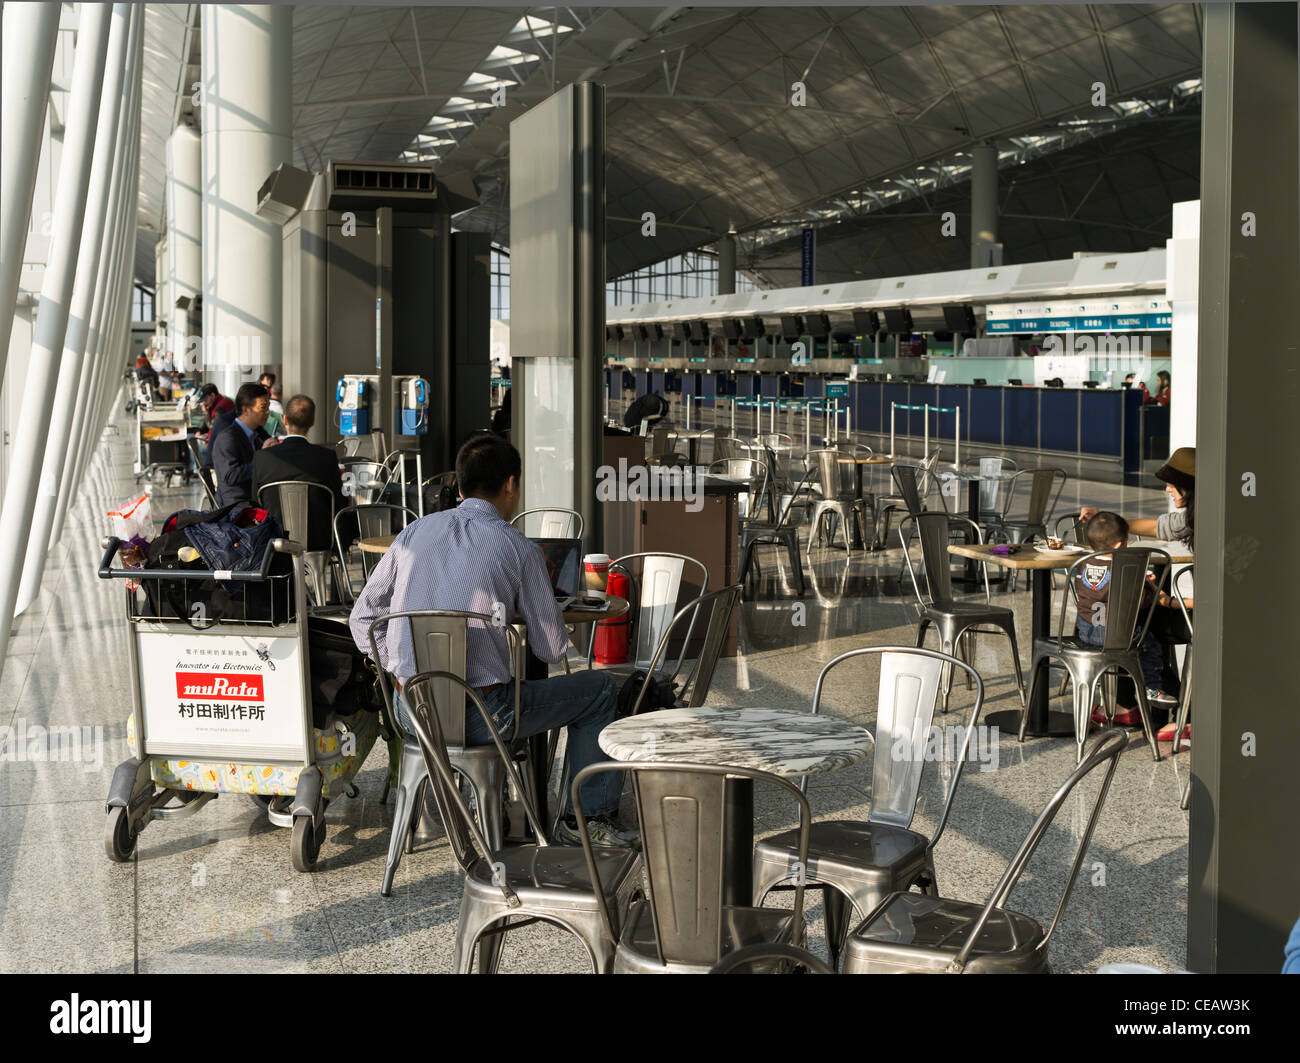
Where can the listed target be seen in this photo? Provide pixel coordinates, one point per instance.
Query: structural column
(984, 248)
(557, 276)
(247, 108)
(1243, 870)
(727, 265)
(184, 243)
(30, 33)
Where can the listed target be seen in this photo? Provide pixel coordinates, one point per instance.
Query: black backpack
(342, 678)
(661, 695)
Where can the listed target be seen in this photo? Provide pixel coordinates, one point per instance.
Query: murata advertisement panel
(222, 696)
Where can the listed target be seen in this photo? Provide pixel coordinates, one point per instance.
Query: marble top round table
(781, 741)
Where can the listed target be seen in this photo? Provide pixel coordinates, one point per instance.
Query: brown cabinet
(710, 535)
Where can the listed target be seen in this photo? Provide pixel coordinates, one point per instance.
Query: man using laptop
(470, 558)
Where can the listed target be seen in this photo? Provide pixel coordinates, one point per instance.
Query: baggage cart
(222, 702)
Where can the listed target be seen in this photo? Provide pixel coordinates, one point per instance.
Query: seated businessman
(470, 559)
(233, 452)
(295, 458)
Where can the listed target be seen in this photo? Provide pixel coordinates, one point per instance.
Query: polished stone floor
(217, 892)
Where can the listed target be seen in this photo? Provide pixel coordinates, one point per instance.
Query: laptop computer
(564, 566)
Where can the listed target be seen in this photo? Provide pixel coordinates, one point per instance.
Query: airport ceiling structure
(702, 130)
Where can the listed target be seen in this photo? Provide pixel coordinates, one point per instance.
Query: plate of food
(1055, 546)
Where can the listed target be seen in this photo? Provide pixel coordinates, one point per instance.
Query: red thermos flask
(612, 636)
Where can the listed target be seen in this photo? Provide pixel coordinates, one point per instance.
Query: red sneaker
(1127, 718)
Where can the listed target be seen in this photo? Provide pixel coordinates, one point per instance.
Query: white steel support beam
(120, 217)
(106, 161)
(30, 34)
(52, 314)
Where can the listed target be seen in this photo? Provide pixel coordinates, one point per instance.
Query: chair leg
(921, 628)
(792, 546)
(837, 909)
(1136, 673)
(410, 779)
(1082, 719)
(1015, 660)
(745, 557)
(490, 944)
(1184, 703)
(968, 654)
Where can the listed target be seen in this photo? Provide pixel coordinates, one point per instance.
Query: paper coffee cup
(597, 572)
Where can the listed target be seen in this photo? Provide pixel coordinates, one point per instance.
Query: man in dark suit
(232, 453)
(297, 459)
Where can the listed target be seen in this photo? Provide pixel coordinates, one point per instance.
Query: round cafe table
(781, 741)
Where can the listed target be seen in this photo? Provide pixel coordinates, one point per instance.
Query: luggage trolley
(223, 704)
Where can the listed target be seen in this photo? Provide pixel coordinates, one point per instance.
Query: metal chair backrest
(1077, 528)
(439, 638)
(464, 835)
(660, 441)
(724, 446)
(721, 604)
(910, 680)
(909, 490)
(1181, 594)
(1107, 748)
(934, 529)
(1042, 499)
(828, 473)
(749, 469)
(988, 465)
(196, 452)
(295, 499)
(552, 523)
(784, 520)
(660, 582)
(363, 479)
(926, 479)
(1123, 605)
(682, 809)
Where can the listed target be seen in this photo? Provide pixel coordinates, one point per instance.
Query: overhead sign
(808, 261)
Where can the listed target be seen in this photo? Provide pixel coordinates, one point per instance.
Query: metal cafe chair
(370, 521)
(721, 604)
(582, 890)
(368, 480)
(439, 638)
(911, 484)
(835, 500)
(552, 523)
(1042, 504)
(954, 620)
(1087, 664)
(858, 864)
(656, 579)
(988, 464)
(754, 472)
(205, 475)
(913, 933)
(784, 532)
(682, 926)
(294, 499)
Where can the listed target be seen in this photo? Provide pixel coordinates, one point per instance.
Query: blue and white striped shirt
(466, 559)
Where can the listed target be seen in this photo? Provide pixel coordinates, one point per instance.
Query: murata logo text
(211, 685)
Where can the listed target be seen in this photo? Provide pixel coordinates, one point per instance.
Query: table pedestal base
(1059, 724)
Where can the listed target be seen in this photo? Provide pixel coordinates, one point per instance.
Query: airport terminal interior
(816, 330)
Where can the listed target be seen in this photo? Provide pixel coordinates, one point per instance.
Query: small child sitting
(1109, 531)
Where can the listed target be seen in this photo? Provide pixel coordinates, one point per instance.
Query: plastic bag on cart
(131, 519)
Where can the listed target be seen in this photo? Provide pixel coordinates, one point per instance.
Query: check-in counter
(1079, 423)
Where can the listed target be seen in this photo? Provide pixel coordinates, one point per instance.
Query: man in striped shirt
(471, 559)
